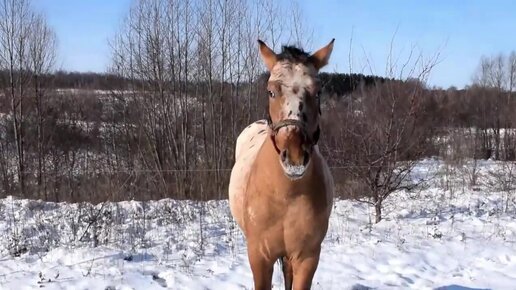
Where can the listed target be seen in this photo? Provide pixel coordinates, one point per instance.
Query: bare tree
(385, 131)
(512, 72)
(494, 81)
(15, 24)
(42, 54)
(27, 55)
(300, 34)
(503, 179)
(193, 68)
(383, 139)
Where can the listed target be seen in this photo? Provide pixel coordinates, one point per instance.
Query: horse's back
(247, 146)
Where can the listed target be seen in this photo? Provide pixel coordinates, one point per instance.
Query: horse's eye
(271, 94)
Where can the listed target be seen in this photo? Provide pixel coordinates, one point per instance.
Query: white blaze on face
(295, 80)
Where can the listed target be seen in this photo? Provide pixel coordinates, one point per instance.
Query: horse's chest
(294, 223)
(304, 221)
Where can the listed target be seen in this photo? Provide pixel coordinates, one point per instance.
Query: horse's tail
(288, 274)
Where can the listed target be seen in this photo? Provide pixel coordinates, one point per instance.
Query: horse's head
(294, 103)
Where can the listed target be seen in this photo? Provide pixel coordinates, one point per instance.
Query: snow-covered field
(448, 235)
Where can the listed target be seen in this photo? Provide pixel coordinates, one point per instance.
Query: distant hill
(340, 84)
(334, 84)
(77, 80)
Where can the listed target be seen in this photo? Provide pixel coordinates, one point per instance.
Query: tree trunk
(378, 212)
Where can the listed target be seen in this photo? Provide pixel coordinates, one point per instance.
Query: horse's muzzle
(293, 145)
(293, 170)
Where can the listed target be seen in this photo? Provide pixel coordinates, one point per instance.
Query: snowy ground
(448, 235)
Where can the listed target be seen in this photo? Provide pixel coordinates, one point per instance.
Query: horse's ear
(268, 55)
(320, 58)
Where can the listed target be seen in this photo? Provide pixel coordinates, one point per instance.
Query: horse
(281, 188)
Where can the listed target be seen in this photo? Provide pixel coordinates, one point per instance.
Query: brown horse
(281, 189)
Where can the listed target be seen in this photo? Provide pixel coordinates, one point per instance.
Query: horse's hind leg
(288, 274)
(262, 270)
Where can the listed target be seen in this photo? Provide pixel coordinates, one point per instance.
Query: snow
(439, 237)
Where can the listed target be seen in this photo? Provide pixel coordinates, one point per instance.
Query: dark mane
(293, 54)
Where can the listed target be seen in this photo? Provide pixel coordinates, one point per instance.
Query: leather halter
(275, 127)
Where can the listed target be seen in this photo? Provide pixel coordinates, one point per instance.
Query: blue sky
(83, 29)
(462, 31)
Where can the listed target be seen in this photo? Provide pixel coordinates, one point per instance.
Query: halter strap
(287, 122)
(275, 127)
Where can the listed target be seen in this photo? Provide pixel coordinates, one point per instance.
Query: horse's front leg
(304, 270)
(262, 269)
